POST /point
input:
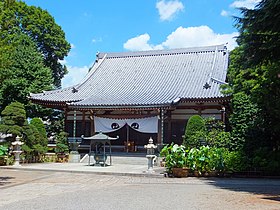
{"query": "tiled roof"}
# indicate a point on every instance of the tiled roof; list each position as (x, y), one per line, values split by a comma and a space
(147, 78)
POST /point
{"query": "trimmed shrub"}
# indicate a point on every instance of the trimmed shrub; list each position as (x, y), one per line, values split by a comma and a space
(195, 131)
(13, 119)
(61, 143)
(216, 136)
(38, 123)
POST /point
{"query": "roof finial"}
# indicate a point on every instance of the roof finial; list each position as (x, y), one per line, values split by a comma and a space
(74, 90)
(206, 85)
(97, 56)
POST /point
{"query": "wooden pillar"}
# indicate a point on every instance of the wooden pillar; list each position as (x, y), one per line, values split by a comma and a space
(199, 108)
(92, 127)
(199, 111)
(160, 127)
(65, 118)
(74, 125)
(169, 126)
(83, 123)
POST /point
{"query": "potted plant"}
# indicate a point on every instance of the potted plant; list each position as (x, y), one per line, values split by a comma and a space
(206, 161)
(175, 160)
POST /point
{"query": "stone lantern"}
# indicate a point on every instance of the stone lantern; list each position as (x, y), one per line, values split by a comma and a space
(150, 155)
(17, 150)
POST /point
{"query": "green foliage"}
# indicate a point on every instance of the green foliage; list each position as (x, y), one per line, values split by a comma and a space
(50, 158)
(39, 125)
(206, 159)
(26, 149)
(61, 143)
(34, 135)
(260, 32)
(31, 46)
(243, 76)
(243, 120)
(14, 122)
(40, 142)
(268, 99)
(235, 161)
(263, 159)
(195, 131)
(175, 156)
(220, 139)
(35, 142)
(254, 79)
(3, 150)
(13, 119)
(17, 18)
(216, 136)
(208, 131)
(27, 72)
(203, 159)
(56, 123)
(5, 62)
(10, 160)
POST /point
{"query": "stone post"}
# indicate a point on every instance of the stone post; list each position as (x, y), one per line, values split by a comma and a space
(17, 150)
(150, 155)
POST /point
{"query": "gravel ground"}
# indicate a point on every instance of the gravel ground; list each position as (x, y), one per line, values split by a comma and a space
(64, 190)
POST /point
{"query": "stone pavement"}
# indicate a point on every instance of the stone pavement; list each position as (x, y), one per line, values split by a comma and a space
(51, 190)
(126, 185)
(122, 164)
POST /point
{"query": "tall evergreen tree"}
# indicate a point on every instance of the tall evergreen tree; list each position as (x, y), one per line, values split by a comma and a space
(26, 73)
(260, 31)
(254, 71)
(17, 17)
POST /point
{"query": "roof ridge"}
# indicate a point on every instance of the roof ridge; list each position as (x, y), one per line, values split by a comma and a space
(91, 71)
(163, 52)
(49, 92)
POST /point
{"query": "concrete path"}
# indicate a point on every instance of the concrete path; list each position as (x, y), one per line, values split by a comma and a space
(42, 190)
(125, 185)
(122, 164)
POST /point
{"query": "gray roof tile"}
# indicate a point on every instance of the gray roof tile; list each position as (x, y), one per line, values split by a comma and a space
(147, 78)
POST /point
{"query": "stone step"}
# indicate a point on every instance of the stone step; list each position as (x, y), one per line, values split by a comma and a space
(129, 160)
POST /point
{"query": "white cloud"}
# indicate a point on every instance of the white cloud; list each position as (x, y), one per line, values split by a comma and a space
(94, 40)
(184, 37)
(225, 13)
(62, 62)
(167, 10)
(249, 4)
(198, 36)
(140, 43)
(72, 46)
(74, 76)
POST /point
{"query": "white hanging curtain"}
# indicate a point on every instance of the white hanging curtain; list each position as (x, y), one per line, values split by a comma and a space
(144, 125)
(107, 124)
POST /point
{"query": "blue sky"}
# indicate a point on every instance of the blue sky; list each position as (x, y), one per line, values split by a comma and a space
(130, 25)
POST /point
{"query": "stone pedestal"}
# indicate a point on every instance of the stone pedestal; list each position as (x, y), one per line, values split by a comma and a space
(150, 155)
(17, 158)
(150, 163)
(74, 158)
(17, 150)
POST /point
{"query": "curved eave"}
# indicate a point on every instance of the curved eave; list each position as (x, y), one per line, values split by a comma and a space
(214, 99)
(119, 107)
(51, 104)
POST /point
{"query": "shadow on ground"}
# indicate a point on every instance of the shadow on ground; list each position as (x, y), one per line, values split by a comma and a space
(4, 180)
(267, 188)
